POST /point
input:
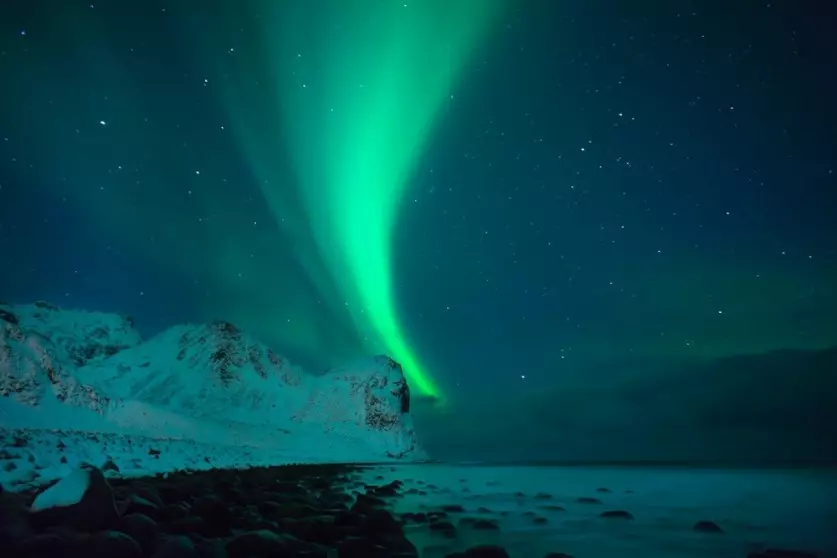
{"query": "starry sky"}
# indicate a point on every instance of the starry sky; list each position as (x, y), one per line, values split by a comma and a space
(569, 221)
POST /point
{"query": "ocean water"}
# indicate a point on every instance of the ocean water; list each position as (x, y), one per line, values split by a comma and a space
(757, 509)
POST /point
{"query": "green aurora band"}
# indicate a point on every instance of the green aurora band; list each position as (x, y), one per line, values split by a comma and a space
(344, 94)
(380, 73)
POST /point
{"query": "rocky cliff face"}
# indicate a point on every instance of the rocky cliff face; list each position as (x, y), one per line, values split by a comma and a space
(41, 347)
(209, 382)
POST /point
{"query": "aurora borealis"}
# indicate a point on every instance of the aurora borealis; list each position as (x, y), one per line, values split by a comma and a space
(560, 217)
(355, 89)
(357, 119)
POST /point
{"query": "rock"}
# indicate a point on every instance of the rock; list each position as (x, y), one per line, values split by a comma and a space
(540, 521)
(189, 525)
(390, 489)
(112, 544)
(558, 555)
(486, 551)
(436, 515)
(588, 500)
(356, 547)
(486, 525)
(616, 514)
(138, 504)
(445, 528)
(551, 507)
(141, 528)
(707, 527)
(175, 547)
(177, 511)
(13, 524)
(149, 493)
(215, 512)
(366, 503)
(603, 490)
(778, 553)
(209, 549)
(319, 529)
(348, 519)
(47, 545)
(262, 542)
(452, 508)
(83, 499)
(543, 496)
(381, 522)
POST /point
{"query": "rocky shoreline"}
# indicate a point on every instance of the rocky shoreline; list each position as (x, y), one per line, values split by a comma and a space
(302, 511)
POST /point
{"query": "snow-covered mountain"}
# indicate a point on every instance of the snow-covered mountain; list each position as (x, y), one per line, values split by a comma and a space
(207, 384)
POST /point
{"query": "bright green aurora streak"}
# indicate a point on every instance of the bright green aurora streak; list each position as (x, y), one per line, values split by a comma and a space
(362, 83)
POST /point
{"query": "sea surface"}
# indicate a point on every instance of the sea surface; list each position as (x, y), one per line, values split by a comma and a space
(789, 508)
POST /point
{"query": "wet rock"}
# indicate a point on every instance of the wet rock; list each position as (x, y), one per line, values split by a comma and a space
(349, 519)
(540, 521)
(543, 496)
(215, 513)
(83, 500)
(177, 511)
(381, 521)
(411, 517)
(148, 492)
(262, 542)
(486, 551)
(110, 544)
(445, 528)
(482, 524)
(452, 508)
(356, 547)
(319, 529)
(9, 317)
(778, 553)
(433, 516)
(707, 527)
(588, 500)
(47, 545)
(558, 555)
(366, 503)
(188, 525)
(616, 514)
(207, 549)
(176, 547)
(289, 510)
(390, 489)
(13, 521)
(603, 490)
(137, 504)
(141, 528)
(552, 507)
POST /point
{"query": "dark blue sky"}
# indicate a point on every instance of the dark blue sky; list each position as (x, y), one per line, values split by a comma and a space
(617, 192)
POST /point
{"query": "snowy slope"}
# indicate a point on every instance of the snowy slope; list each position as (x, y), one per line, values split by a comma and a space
(217, 373)
(42, 346)
(206, 386)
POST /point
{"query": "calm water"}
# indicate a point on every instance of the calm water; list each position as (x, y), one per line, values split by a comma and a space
(787, 508)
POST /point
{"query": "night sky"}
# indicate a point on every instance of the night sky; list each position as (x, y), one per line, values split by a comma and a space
(562, 217)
